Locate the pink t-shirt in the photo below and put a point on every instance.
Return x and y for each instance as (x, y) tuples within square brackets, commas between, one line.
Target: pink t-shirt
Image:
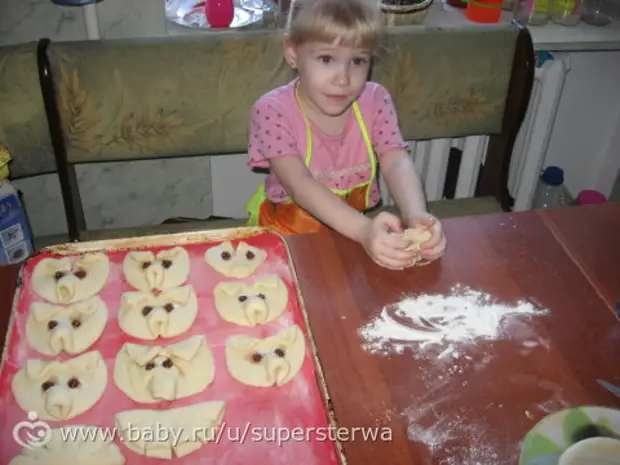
[(277, 129)]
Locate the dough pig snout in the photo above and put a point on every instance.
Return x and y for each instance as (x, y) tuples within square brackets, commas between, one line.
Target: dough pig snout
[(58, 402), (155, 275), (277, 369), (65, 288), (61, 337), (256, 310), (157, 321), (163, 385)]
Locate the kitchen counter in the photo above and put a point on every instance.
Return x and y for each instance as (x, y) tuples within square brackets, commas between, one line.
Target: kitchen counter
[(550, 37)]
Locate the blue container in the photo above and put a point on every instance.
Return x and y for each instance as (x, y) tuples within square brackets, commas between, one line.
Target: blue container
[(15, 236)]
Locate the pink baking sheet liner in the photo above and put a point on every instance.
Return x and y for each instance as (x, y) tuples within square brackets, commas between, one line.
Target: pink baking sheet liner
[(266, 415)]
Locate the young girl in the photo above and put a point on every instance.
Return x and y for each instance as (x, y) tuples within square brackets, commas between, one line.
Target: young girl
[(323, 134)]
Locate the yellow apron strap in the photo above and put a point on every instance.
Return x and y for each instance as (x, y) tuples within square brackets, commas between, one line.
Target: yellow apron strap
[(369, 148), (308, 129), (254, 204)]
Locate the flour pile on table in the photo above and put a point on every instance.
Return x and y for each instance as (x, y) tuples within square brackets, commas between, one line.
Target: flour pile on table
[(444, 322)]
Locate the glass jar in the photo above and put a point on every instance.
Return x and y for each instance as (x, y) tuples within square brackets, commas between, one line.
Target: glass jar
[(566, 12), (532, 12), (596, 12)]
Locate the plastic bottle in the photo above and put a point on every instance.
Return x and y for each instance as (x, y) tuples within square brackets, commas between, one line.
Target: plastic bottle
[(551, 191)]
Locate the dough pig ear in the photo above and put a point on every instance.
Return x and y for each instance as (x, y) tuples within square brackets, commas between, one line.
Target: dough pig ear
[(141, 355), (268, 282), (225, 246), (243, 343), (187, 350), (141, 256), (231, 289), (36, 369), (92, 259), (172, 253), (179, 295), (87, 307), (289, 335), (131, 300), (42, 311), (86, 363)]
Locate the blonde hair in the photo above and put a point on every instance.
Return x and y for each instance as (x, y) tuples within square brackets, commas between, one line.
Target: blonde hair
[(355, 23)]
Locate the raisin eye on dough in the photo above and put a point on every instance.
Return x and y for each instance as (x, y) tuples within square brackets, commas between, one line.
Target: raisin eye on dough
[(263, 362), (148, 373), (78, 382), (148, 271), (52, 329), (251, 303), (148, 315), (235, 262), (80, 274), (70, 280), (47, 385)]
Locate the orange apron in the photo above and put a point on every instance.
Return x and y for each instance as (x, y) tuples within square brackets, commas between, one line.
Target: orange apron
[(288, 217)]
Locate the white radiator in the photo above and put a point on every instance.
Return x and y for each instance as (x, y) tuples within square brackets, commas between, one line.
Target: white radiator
[(431, 157)]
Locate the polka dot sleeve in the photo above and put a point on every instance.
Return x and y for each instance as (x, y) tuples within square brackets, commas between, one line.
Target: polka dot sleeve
[(270, 135), (385, 131)]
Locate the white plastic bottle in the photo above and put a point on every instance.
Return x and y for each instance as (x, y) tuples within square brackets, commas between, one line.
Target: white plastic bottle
[(551, 191)]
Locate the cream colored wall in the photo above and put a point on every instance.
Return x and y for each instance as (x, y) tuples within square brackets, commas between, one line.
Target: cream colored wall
[(586, 135)]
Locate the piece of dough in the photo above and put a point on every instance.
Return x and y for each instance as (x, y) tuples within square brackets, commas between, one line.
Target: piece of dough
[(274, 360), (51, 328), (164, 433), (70, 445), (148, 272), (239, 263), (250, 304), (592, 451), (66, 280), (147, 316), (155, 373), (61, 390), (417, 236)]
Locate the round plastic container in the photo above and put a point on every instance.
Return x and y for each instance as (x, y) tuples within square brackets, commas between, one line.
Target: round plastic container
[(484, 11)]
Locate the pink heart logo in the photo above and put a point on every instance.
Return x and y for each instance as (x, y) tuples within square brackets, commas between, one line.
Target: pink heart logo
[(31, 433)]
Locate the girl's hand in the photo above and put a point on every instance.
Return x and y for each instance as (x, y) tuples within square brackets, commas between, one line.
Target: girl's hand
[(380, 238), (435, 247)]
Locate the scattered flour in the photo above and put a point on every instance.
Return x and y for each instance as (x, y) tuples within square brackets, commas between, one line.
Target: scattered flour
[(449, 329), (447, 323), (443, 435)]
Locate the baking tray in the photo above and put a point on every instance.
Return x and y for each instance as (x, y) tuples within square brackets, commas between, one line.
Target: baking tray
[(303, 404)]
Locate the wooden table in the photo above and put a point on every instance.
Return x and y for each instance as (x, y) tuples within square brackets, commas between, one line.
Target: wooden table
[(474, 411), (465, 411)]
